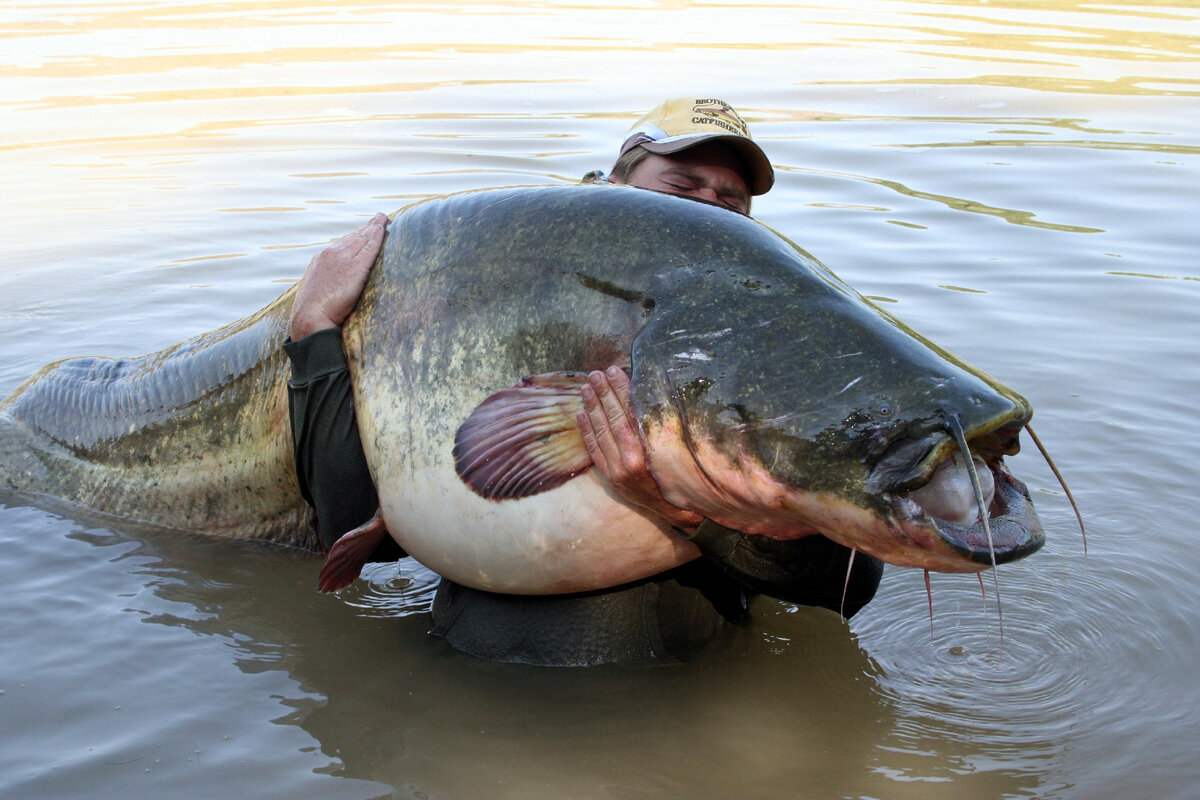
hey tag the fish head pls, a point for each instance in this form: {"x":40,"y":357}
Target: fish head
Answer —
{"x":788,"y":408}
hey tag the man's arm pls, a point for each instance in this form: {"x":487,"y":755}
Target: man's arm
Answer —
{"x":330,"y":465}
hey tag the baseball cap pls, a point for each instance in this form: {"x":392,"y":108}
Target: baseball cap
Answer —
{"x":683,"y":122}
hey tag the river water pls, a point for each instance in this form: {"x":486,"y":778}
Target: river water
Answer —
{"x":1017,"y":180}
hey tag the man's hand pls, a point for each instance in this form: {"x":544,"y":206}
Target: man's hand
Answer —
{"x":617,"y":451}
{"x":335,"y":278}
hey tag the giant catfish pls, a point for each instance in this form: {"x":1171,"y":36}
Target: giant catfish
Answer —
{"x":771,"y":397}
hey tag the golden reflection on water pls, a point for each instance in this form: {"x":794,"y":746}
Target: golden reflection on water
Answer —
{"x":220,"y":36}
{"x":1012,"y":215}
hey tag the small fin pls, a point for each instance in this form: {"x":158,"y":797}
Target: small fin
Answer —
{"x":525,"y":439}
{"x":350,"y":553}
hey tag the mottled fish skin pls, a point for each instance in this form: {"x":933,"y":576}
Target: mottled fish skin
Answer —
{"x":193,"y":437}
{"x":771,"y":397}
{"x":481,"y":291}
{"x":779,"y":367}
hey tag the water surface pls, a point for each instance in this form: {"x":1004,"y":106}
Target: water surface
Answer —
{"x":1015,"y":180}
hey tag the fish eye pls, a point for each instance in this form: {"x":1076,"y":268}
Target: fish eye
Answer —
{"x":884,"y":408}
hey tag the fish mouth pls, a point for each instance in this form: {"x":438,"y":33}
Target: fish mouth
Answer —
{"x":1013,"y":531}
{"x":935,"y":503}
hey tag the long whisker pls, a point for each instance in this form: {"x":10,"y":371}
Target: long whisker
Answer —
{"x":846,"y":585}
{"x":929,"y":596}
{"x":1062,"y":483}
{"x":983,"y":595}
{"x":955,"y":425}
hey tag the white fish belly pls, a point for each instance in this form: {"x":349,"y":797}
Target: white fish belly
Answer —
{"x":575,"y":538}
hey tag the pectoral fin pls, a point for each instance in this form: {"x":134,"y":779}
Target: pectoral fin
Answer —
{"x":524,"y":440}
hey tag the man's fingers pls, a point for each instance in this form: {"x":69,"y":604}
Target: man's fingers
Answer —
{"x":335,"y":278}
{"x":616,"y":449}
{"x":372,"y":239}
{"x":619,"y":380}
{"x":616,"y":406}
{"x":589,"y":440}
{"x":597,"y":430}
{"x":363,"y":240}
{"x":605,"y":399}
{"x":609,"y":387}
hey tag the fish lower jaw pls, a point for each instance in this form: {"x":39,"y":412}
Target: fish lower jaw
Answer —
{"x":928,"y":548}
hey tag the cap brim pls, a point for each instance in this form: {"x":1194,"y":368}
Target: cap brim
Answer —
{"x":762,"y":175}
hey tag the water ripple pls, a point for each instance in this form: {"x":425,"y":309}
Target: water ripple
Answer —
{"x":392,"y":590}
{"x":1064,"y":625}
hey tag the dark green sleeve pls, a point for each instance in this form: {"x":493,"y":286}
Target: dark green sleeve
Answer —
{"x":813,"y":571}
{"x":330,"y":465}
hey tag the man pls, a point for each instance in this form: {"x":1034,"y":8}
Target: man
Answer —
{"x":696,"y":148}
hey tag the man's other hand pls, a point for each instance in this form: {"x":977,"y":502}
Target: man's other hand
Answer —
{"x":335,"y":278}
{"x":617,"y":450}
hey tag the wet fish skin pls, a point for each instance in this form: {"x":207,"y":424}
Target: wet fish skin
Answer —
{"x":194,"y":437}
{"x":772,"y":398}
{"x":737,"y":340}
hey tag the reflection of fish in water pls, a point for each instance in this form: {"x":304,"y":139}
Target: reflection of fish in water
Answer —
{"x":772,"y":399}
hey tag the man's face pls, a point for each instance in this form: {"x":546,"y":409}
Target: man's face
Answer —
{"x":707,"y":171}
